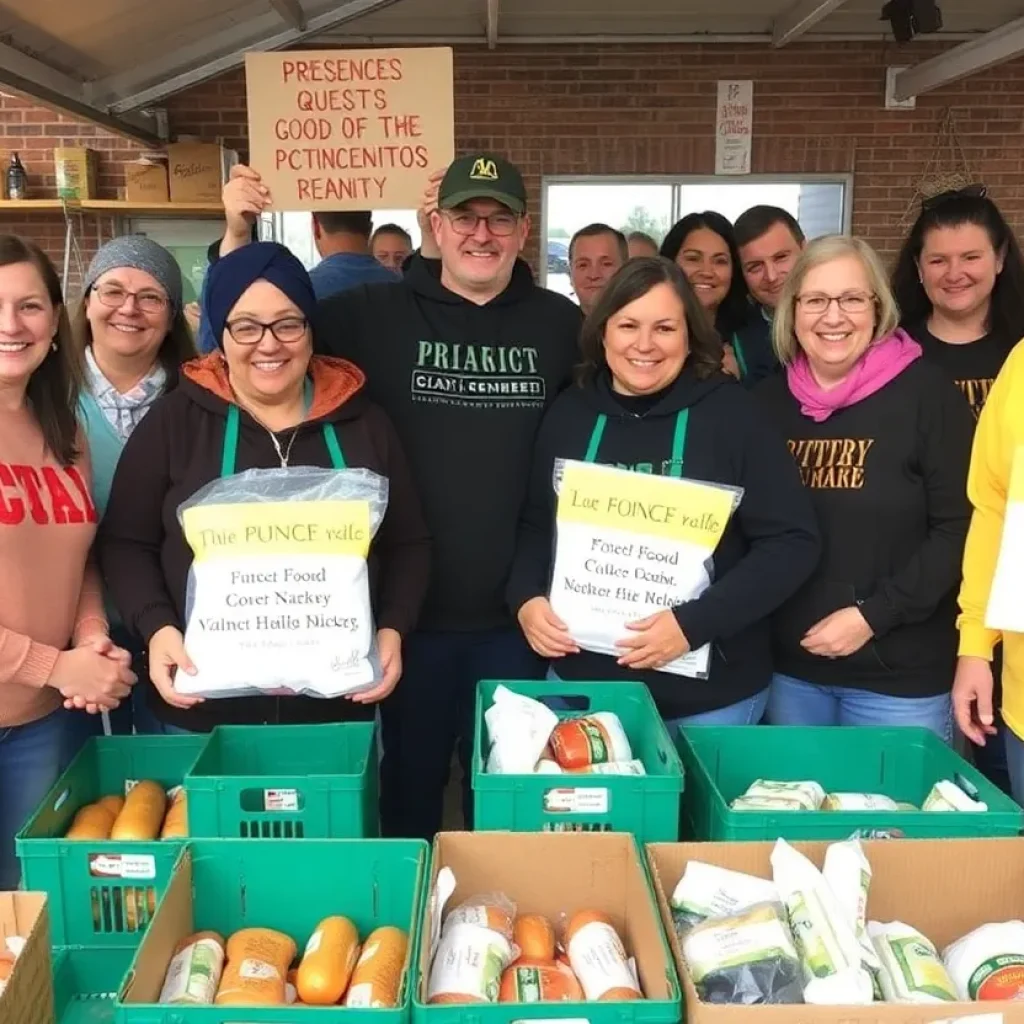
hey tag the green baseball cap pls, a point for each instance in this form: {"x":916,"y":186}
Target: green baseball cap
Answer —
{"x":482,"y":176}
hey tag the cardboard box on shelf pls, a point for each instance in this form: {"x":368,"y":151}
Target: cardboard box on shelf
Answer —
{"x":75,"y":170}
{"x":555,"y":874}
{"x":145,"y":180}
{"x":943,"y":888}
{"x":27,"y":998}
{"x":197,"y":171}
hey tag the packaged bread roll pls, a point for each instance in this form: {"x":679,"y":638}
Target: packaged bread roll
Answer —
{"x":257,"y":967}
{"x":176,"y":820}
{"x":142,"y":815}
{"x":377,"y":979}
{"x":194,"y":974}
{"x":327,"y":964}
{"x":93,"y":821}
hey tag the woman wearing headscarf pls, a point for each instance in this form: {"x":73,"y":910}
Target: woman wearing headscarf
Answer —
{"x":132,"y":331}
{"x":261,"y":401}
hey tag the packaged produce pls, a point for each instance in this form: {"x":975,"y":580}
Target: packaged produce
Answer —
{"x":988,"y":963}
{"x":911,"y":969}
{"x":534,"y":937}
{"x":257,"y":967}
{"x":598,"y":958}
{"x":859,"y":802}
{"x":590,"y":739}
{"x":519,"y":728}
{"x":377,"y":978}
{"x":807,"y":795}
{"x":194,"y":974}
{"x":828,"y":947}
{"x":328,"y":961}
{"x":537,"y":981}
{"x":176,"y":821}
{"x":706,"y":891}
{"x":948,"y":796}
{"x":748,"y":958}
{"x":142,"y":816}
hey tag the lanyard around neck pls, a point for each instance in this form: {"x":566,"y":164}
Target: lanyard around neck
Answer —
{"x":229,"y":454}
{"x":737,"y":351}
{"x":678,"y":441}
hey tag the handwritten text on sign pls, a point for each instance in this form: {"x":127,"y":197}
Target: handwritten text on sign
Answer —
{"x":734,"y":127}
{"x":349,"y":129}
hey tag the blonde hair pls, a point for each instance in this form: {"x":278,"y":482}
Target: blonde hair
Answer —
{"x":826,"y":250}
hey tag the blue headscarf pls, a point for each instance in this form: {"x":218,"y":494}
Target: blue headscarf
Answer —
{"x":231,"y":275}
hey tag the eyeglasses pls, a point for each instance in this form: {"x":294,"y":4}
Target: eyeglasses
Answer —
{"x":849,"y":302}
{"x":968,"y":192}
{"x":499,"y":223}
{"x":287,"y":330}
{"x":114,"y":296}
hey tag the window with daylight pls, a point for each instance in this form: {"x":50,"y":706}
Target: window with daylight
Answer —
{"x":821,"y":203}
{"x":295,"y":230}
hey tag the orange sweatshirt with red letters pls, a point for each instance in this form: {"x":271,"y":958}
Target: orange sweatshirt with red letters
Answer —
{"x":50,"y":592}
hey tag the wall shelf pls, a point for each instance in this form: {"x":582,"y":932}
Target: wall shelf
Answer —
{"x":113,"y":207}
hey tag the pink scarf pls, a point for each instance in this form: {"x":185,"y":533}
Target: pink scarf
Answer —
{"x":881,"y":363}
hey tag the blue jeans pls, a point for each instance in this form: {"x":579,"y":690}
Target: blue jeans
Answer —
{"x":431,"y":713}
{"x":744,"y":712}
{"x":795,"y":702}
{"x":31,"y":759}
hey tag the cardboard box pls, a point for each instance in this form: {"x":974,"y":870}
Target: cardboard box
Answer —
{"x":28,"y":996}
{"x":196,"y":171}
{"x":556,"y":874}
{"x":75,"y":169}
{"x":145,"y":181}
{"x":943,"y":888}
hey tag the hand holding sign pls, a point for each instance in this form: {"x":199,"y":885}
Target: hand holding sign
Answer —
{"x":658,"y":641}
{"x":167,"y":656}
{"x":428,"y":247}
{"x":545,"y":632}
{"x":245,"y":197}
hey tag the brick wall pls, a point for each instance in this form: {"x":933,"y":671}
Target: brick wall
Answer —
{"x":650,"y":109}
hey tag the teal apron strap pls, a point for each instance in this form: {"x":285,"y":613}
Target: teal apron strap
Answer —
{"x":737,"y":350}
{"x":678,"y":441}
{"x":333,"y":446}
{"x":229,"y":453}
{"x":595,"y":438}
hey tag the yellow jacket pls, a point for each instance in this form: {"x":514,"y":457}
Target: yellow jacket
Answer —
{"x":999,"y":439}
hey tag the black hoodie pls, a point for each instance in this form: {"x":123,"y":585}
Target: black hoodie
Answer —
{"x":466,"y":386}
{"x":767,"y":551}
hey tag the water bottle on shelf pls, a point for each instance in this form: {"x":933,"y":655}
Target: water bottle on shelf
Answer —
{"x":17,"y":179}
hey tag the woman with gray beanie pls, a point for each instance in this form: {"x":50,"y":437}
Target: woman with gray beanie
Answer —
{"x":132,"y":330}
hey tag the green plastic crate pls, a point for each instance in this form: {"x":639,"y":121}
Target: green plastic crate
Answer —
{"x":103,"y":893}
{"x":285,"y":782}
{"x":85,"y":982}
{"x":647,"y":806}
{"x":901,"y":763}
{"x":289,"y":887}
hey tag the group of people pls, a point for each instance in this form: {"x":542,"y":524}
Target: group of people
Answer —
{"x":839,"y":403}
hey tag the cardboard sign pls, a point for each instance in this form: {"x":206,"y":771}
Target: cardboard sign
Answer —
{"x":349,"y":129}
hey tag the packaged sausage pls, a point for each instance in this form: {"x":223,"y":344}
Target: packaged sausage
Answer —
{"x":590,"y":739}
{"x":377,"y":978}
{"x":257,"y":967}
{"x":468,"y":965}
{"x":598,"y":958}
{"x":988,"y":963}
{"x":327,"y":963}
{"x":194,"y":973}
{"x":537,"y":981}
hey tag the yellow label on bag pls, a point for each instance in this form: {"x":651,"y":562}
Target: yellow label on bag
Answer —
{"x":650,"y":505}
{"x":278,"y":528}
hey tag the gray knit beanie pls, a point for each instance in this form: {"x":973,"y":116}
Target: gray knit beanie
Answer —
{"x":139,"y":253}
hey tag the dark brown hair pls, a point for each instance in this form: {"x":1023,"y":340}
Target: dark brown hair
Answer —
{"x":632,"y":281}
{"x":55,"y":384}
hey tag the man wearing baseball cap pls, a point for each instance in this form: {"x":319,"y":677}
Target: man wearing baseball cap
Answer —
{"x":464,"y":354}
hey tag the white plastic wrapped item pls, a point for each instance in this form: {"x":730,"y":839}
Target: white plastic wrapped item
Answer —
{"x":829,"y":951}
{"x":858,"y":802}
{"x":545,"y":766}
{"x":748,"y":958}
{"x":12,"y":948}
{"x":988,"y":963}
{"x":629,"y":545}
{"x":948,"y":796}
{"x":767,"y":803}
{"x":847,"y":872}
{"x":278,"y":598}
{"x":807,"y":795}
{"x":707,"y":891}
{"x":911,"y":969}
{"x":518,"y":728}
{"x":634,"y":767}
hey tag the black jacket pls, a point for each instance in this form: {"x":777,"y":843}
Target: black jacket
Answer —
{"x":466,"y":386}
{"x":752,"y":345}
{"x":767,"y":551}
{"x":177,"y":448}
{"x":887,"y":478}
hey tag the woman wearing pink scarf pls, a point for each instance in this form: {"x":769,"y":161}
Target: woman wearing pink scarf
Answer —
{"x":882,"y":439}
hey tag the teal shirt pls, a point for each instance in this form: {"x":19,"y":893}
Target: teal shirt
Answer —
{"x":105,"y":447}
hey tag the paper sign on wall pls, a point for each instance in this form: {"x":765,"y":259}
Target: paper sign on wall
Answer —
{"x":349,"y":129}
{"x":734,"y":127}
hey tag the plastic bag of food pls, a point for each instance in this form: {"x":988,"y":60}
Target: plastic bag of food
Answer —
{"x":598,"y":958}
{"x":588,"y":740}
{"x":858,"y":802}
{"x":912,"y":971}
{"x":847,"y":872}
{"x":767,"y":803}
{"x":518,"y":728}
{"x":491,"y":910}
{"x":706,"y":891}
{"x":829,"y":951}
{"x":278,"y":598}
{"x":634,"y":767}
{"x":948,"y":796}
{"x":988,"y":963}
{"x":468,"y":964}
{"x":807,"y":796}
{"x":748,"y":958}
